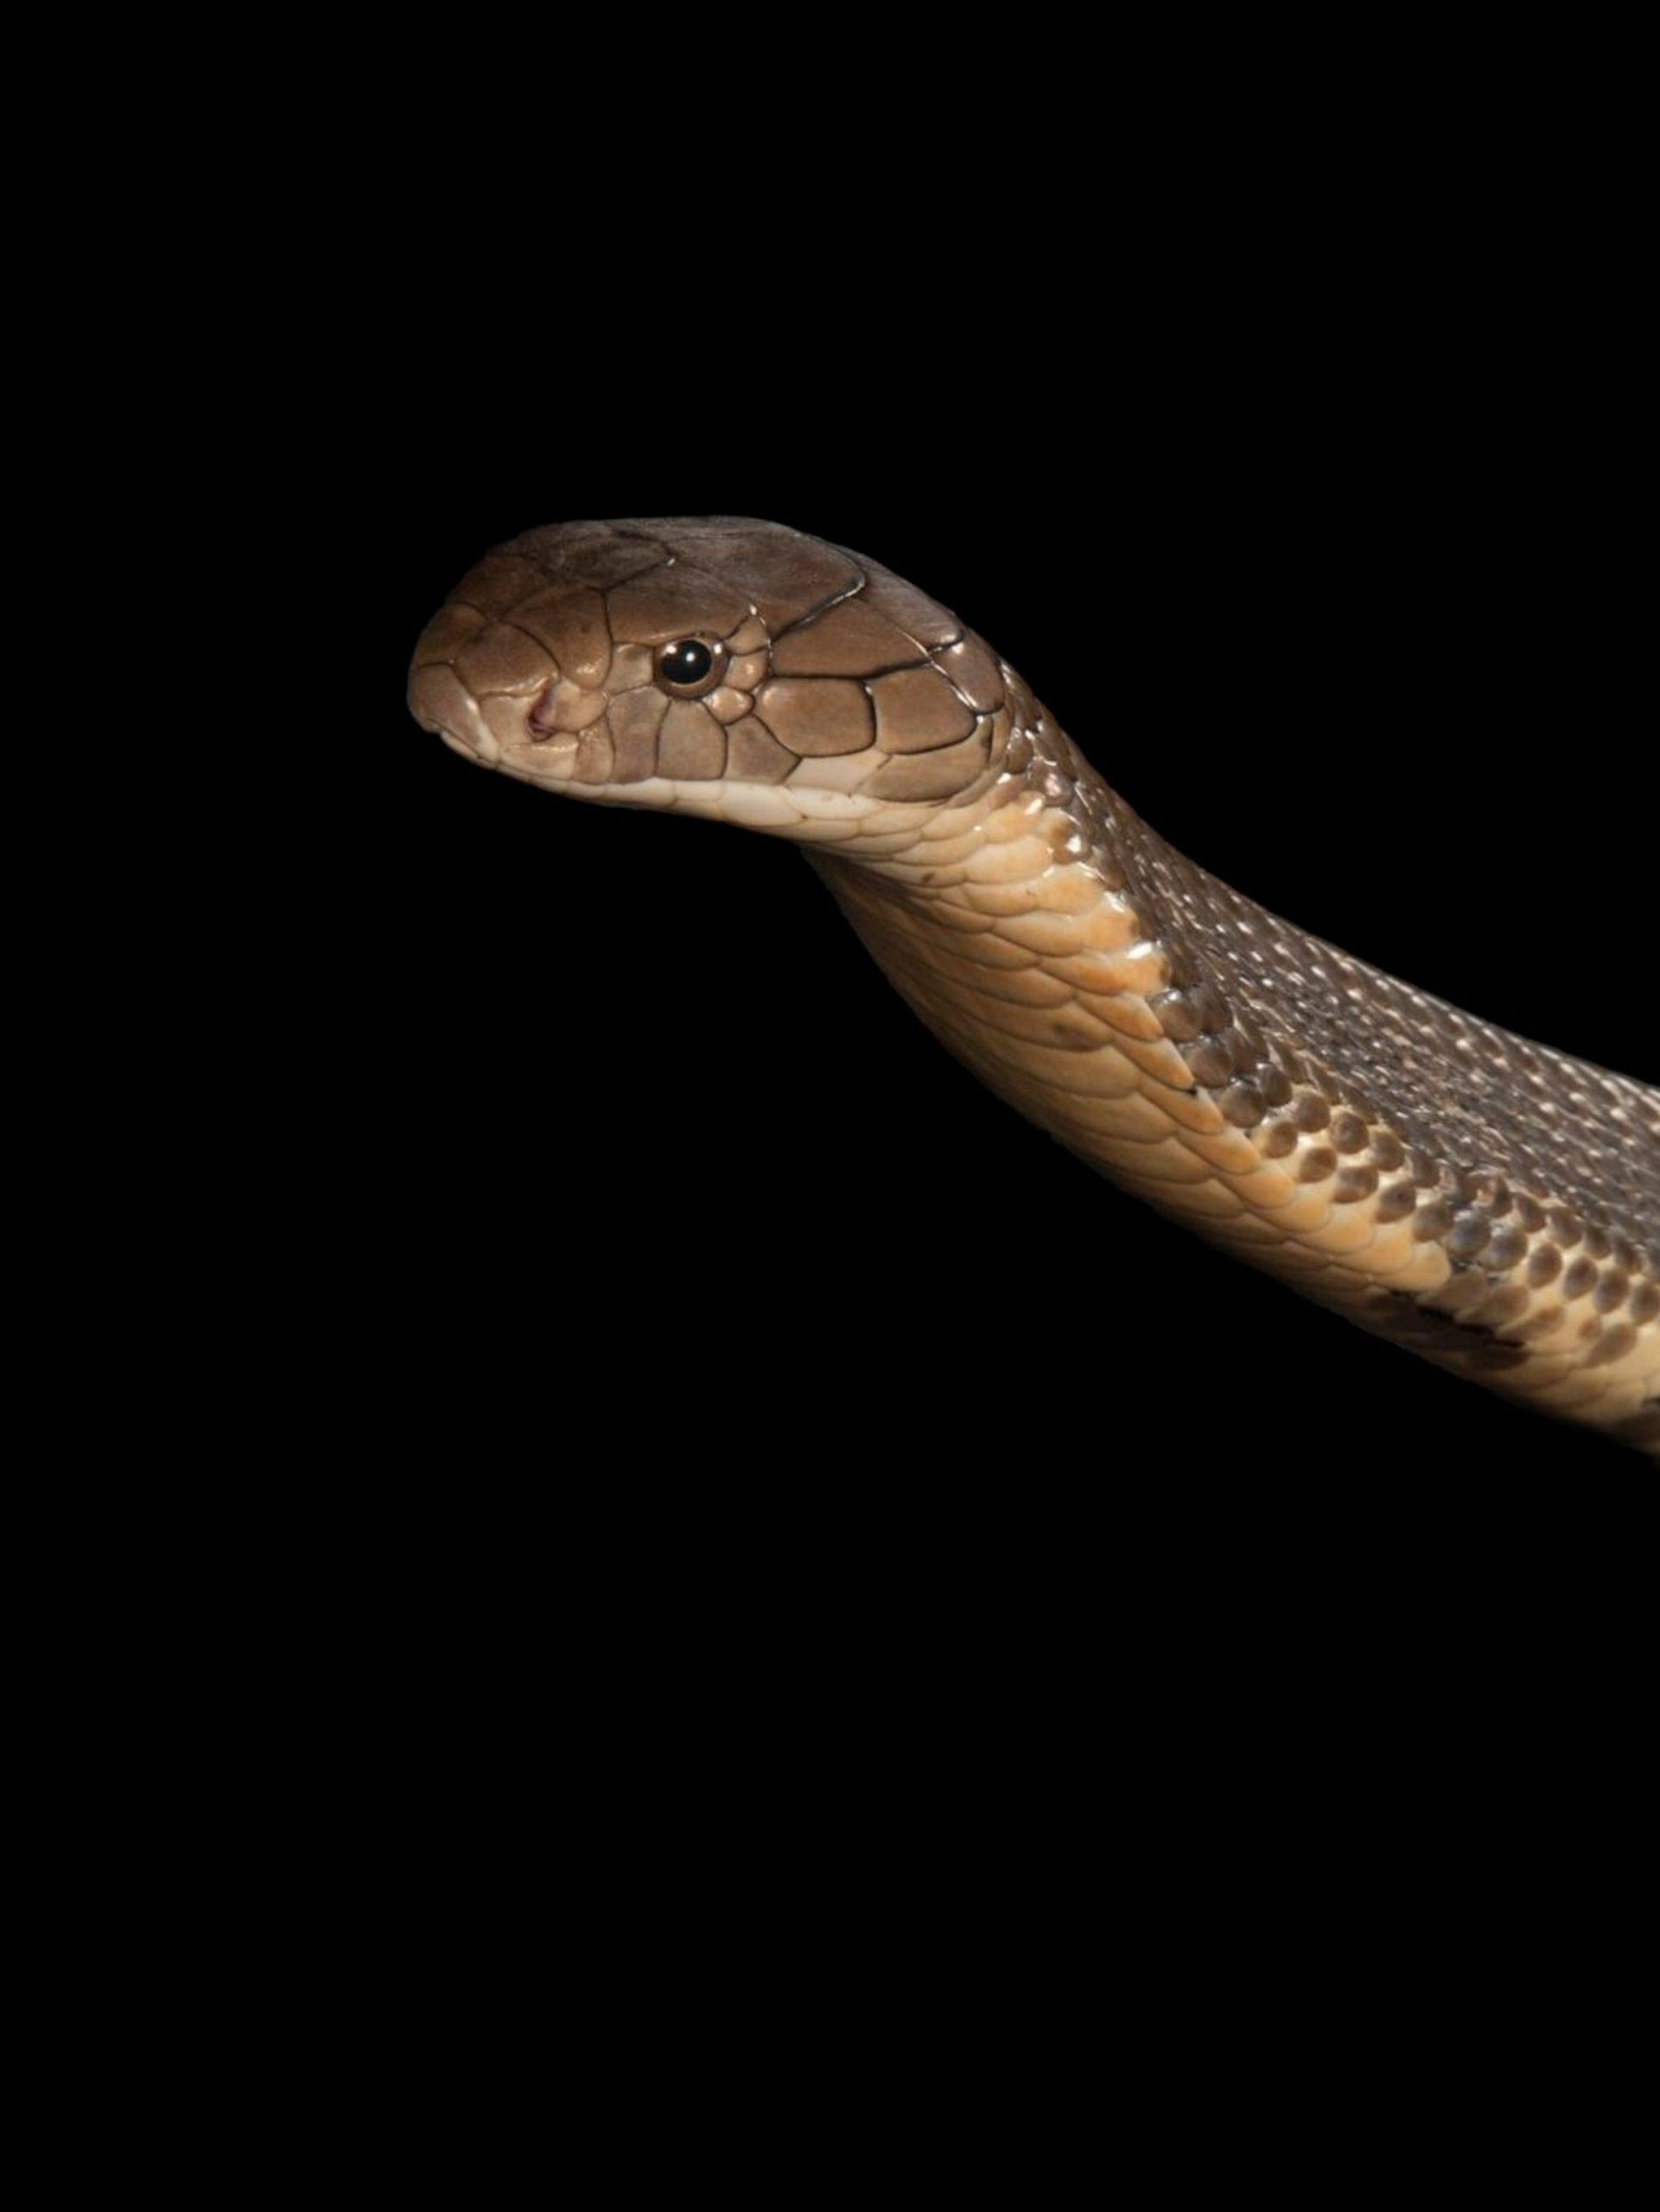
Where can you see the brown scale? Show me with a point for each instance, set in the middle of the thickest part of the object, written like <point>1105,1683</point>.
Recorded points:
<point>1381,1052</point>
<point>1406,1040</point>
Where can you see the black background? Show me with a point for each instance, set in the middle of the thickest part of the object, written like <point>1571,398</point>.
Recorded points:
<point>1329,580</point>
<point>754,1445</point>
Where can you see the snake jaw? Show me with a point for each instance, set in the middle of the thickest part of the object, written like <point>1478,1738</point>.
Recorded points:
<point>468,752</point>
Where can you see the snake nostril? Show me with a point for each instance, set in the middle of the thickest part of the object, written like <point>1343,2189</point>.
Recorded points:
<point>559,712</point>
<point>543,718</point>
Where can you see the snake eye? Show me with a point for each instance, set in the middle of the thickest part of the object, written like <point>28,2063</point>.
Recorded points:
<point>688,667</point>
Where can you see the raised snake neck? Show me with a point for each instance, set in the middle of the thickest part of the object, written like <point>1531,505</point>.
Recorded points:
<point>1490,1202</point>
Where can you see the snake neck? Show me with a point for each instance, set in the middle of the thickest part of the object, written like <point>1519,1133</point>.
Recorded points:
<point>1321,1119</point>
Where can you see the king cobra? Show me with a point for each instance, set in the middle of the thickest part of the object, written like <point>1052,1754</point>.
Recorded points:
<point>1490,1202</point>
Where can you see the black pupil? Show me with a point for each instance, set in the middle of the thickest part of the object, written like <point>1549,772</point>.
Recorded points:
<point>687,663</point>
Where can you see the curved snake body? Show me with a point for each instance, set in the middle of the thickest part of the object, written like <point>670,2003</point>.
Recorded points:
<point>1490,1202</point>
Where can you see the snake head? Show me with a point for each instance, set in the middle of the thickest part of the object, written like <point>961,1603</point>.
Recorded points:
<point>715,666</point>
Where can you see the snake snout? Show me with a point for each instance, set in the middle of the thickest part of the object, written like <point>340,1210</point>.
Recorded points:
<point>440,702</point>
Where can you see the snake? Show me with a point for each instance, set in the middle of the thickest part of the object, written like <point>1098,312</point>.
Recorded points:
<point>1488,1203</point>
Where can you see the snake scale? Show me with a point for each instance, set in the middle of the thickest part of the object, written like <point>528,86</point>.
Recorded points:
<point>1488,1202</point>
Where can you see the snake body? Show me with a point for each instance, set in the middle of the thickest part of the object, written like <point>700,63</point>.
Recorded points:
<point>1490,1202</point>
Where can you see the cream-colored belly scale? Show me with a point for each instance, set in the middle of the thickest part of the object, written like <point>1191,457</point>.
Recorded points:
<point>1491,1204</point>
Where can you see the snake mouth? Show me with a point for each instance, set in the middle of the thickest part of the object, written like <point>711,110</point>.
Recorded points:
<point>457,743</point>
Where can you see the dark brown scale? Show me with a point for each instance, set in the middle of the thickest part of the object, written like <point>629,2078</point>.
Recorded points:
<point>1506,1246</point>
<point>1274,1084</point>
<point>1209,1005</point>
<point>1181,977</point>
<point>1349,1132</point>
<point>1469,1235</point>
<point>1243,1105</point>
<point>1396,1203</point>
<point>1177,1016</point>
<point>1211,1059</point>
<point>1246,1046</point>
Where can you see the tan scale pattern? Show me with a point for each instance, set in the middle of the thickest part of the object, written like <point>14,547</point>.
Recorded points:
<point>1490,1202</point>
